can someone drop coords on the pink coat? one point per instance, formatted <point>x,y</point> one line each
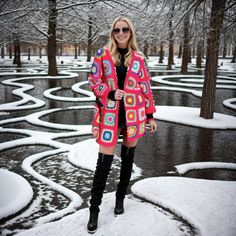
<point>138,100</point>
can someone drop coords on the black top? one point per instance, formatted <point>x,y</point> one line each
<point>121,71</point>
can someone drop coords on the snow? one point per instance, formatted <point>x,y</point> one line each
<point>208,205</point>
<point>84,154</point>
<point>184,168</point>
<point>76,88</point>
<point>190,116</point>
<point>74,197</point>
<point>186,197</point>
<point>139,219</point>
<point>16,193</point>
<point>166,79</point>
<point>229,103</point>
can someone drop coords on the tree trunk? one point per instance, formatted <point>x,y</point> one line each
<point>76,51</point>
<point>145,49</point>
<point>180,50</point>
<point>52,44</point>
<point>199,54</point>
<point>161,53</point>
<point>171,47</point>
<point>193,54</point>
<point>10,51</point>
<point>234,54</point>
<point>2,52</point>
<point>155,50</point>
<point>184,66</point>
<point>40,52</point>
<point>17,59</point>
<point>213,42</point>
<point>28,54</point>
<point>224,50</point>
<point>89,52</point>
<point>189,55</point>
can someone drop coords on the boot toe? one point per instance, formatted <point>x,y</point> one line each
<point>92,224</point>
<point>118,211</point>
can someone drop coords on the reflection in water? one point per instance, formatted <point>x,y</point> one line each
<point>175,144</point>
<point>156,154</point>
<point>70,117</point>
<point>184,99</point>
<point>52,83</point>
<point>205,142</point>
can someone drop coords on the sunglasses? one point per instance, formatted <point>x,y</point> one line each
<point>124,30</point>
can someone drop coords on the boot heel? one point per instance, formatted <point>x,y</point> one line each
<point>119,207</point>
<point>93,222</point>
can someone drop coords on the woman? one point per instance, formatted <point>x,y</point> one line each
<point>124,103</point>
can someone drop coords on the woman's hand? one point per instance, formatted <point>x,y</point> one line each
<point>95,132</point>
<point>153,125</point>
<point>119,94</point>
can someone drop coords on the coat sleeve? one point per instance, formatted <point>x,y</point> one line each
<point>96,79</point>
<point>146,88</point>
<point>96,117</point>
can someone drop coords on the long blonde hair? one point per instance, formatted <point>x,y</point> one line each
<point>132,43</point>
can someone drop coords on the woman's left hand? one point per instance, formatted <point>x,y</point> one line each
<point>153,125</point>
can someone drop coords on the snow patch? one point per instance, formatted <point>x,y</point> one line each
<point>209,205</point>
<point>16,193</point>
<point>190,116</point>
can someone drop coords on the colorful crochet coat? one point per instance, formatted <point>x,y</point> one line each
<point>138,100</point>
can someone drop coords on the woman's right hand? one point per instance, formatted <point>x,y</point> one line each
<point>119,94</point>
<point>95,132</point>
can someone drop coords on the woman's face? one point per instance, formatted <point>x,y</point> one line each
<point>122,34</point>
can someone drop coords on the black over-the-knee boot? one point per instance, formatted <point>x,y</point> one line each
<point>127,159</point>
<point>99,183</point>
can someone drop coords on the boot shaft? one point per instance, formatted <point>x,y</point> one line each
<point>103,167</point>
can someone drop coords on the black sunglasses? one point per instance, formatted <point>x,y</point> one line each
<point>124,30</point>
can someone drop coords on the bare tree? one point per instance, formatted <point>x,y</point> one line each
<point>234,54</point>
<point>171,42</point>
<point>52,44</point>
<point>185,60</point>
<point>213,42</point>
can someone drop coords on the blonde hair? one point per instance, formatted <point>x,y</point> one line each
<point>132,43</point>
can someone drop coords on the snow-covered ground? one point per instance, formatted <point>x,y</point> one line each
<point>207,205</point>
<point>16,193</point>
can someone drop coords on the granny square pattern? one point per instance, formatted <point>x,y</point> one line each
<point>109,119</point>
<point>144,86</point>
<point>95,69</point>
<point>111,105</point>
<point>100,53</point>
<point>132,131</point>
<point>142,128</point>
<point>131,116</point>
<point>107,135</point>
<point>111,84</point>
<point>147,103</point>
<point>135,67</point>
<point>131,83</point>
<point>141,74</point>
<point>140,100</point>
<point>107,67</point>
<point>100,88</point>
<point>141,114</point>
<point>130,100</point>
